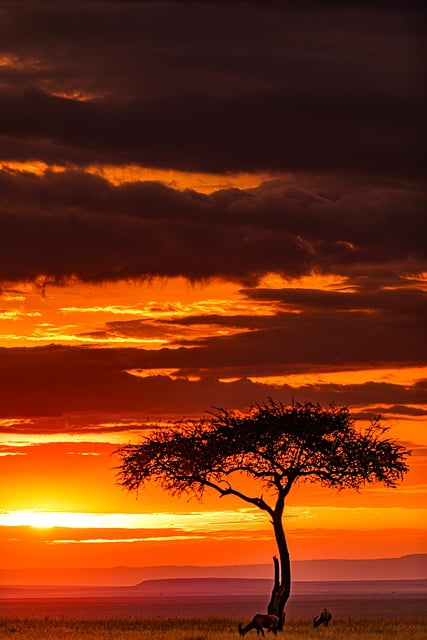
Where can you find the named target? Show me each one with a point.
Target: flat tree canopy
(274, 444)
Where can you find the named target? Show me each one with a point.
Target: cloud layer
(327, 102)
(75, 224)
(214, 86)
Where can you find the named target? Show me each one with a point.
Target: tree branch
(257, 502)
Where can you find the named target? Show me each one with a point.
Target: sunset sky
(205, 204)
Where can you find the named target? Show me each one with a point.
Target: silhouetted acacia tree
(274, 444)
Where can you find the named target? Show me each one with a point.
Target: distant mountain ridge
(192, 589)
(408, 567)
(256, 586)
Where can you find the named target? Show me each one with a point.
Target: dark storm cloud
(329, 339)
(381, 326)
(401, 304)
(72, 223)
(55, 380)
(214, 86)
(393, 410)
(330, 330)
(408, 302)
(266, 131)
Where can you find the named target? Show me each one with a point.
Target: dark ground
(388, 599)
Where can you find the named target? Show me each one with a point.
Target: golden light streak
(127, 540)
(7, 297)
(192, 521)
(181, 180)
(83, 453)
(117, 175)
(36, 167)
(401, 376)
(58, 338)
(169, 373)
(12, 422)
(29, 440)
(157, 310)
(240, 535)
(15, 314)
(5, 454)
(158, 300)
(78, 96)
(313, 517)
(14, 61)
(418, 279)
(324, 282)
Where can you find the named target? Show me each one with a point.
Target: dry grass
(202, 629)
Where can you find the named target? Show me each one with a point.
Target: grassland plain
(203, 629)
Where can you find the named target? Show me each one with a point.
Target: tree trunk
(282, 575)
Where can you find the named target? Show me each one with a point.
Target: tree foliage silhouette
(274, 444)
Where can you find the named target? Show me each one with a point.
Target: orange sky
(61, 505)
(205, 205)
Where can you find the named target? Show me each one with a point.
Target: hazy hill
(410, 567)
(203, 590)
(247, 587)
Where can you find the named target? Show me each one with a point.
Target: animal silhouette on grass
(324, 618)
(261, 621)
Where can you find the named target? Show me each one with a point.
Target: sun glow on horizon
(248, 519)
(199, 521)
